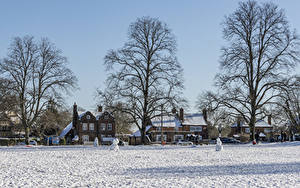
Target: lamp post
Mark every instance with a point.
(161, 125)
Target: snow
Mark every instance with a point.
(98, 115)
(262, 123)
(194, 119)
(82, 114)
(168, 121)
(262, 135)
(114, 146)
(138, 133)
(259, 123)
(219, 146)
(96, 142)
(262, 165)
(66, 130)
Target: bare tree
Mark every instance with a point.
(217, 117)
(288, 104)
(53, 120)
(38, 72)
(261, 51)
(144, 73)
(7, 98)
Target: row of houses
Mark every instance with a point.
(87, 126)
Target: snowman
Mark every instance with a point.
(114, 145)
(96, 143)
(219, 146)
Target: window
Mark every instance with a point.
(88, 117)
(102, 126)
(158, 138)
(84, 127)
(109, 126)
(196, 128)
(85, 138)
(247, 130)
(91, 126)
(178, 137)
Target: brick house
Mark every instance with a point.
(86, 127)
(10, 125)
(262, 128)
(192, 127)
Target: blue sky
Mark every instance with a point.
(85, 30)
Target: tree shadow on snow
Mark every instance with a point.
(241, 169)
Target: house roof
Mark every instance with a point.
(259, 123)
(138, 133)
(66, 130)
(82, 114)
(168, 121)
(173, 121)
(194, 119)
(98, 115)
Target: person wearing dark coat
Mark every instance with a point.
(256, 136)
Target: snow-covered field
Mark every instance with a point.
(264, 165)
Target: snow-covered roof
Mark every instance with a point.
(98, 115)
(168, 121)
(194, 119)
(66, 130)
(259, 123)
(82, 114)
(138, 133)
(262, 123)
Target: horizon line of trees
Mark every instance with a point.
(145, 78)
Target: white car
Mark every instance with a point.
(184, 143)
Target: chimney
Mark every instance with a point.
(270, 119)
(75, 119)
(74, 108)
(204, 112)
(99, 108)
(181, 115)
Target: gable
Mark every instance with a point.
(87, 117)
(105, 116)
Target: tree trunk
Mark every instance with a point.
(26, 134)
(143, 134)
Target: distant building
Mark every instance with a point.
(9, 125)
(263, 129)
(86, 127)
(191, 127)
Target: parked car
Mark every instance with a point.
(184, 143)
(31, 142)
(225, 140)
